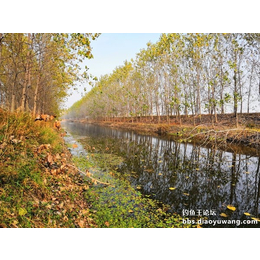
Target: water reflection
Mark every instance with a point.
(182, 175)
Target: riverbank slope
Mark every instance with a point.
(37, 188)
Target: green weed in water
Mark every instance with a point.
(119, 205)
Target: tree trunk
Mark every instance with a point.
(35, 95)
(26, 77)
(12, 108)
(25, 85)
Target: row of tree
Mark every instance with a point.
(37, 69)
(181, 74)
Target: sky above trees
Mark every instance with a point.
(111, 50)
(189, 73)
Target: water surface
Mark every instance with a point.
(192, 180)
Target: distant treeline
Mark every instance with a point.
(181, 74)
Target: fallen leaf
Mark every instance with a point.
(257, 219)
(81, 224)
(22, 211)
(172, 188)
(223, 215)
(3, 145)
(57, 157)
(53, 171)
(16, 141)
(88, 174)
(15, 222)
(231, 207)
(130, 211)
(186, 194)
(85, 211)
(49, 159)
(107, 223)
(74, 146)
(247, 214)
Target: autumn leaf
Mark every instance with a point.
(107, 223)
(53, 171)
(130, 211)
(223, 215)
(61, 205)
(49, 206)
(88, 174)
(231, 207)
(14, 224)
(81, 224)
(49, 159)
(85, 211)
(57, 157)
(74, 146)
(22, 211)
(247, 214)
(257, 219)
(172, 188)
(186, 194)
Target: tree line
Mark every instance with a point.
(181, 74)
(38, 69)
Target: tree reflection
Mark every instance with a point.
(203, 178)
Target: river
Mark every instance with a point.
(192, 180)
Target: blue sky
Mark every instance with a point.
(110, 50)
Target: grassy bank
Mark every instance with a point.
(37, 189)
